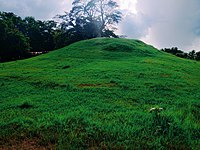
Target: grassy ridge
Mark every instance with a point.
(98, 94)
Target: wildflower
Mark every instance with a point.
(155, 109)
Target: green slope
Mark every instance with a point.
(97, 94)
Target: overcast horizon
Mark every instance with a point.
(160, 23)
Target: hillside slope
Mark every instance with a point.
(99, 94)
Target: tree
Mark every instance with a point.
(40, 33)
(16, 45)
(34, 34)
(198, 55)
(192, 55)
(91, 18)
(48, 32)
(13, 43)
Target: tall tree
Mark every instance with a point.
(34, 34)
(92, 18)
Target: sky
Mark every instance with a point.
(161, 23)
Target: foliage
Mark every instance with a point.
(19, 36)
(40, 33)
(13, 43)
(91, 18)
(87, 19)
(93, 98)
(175, 51)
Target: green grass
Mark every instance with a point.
(97, 94)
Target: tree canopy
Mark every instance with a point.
(20, 36)
(87, 19)
(91, 18)
(13, 43)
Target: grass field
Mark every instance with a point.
(100, 94)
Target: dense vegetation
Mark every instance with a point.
(86, 20)
(91, 18)
(100, 94)
(179, 53)
(20, 36)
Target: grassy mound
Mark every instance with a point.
(100, 94)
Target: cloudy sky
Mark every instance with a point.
(162, 23)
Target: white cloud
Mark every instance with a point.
(128, 5)
(133, 25)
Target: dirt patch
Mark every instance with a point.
(165, 75)
(26, 144)
(149, 61)
(89, 85)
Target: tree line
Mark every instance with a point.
(87, 19)
(179, 53)
(20, 36)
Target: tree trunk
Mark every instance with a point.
(102, 19)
